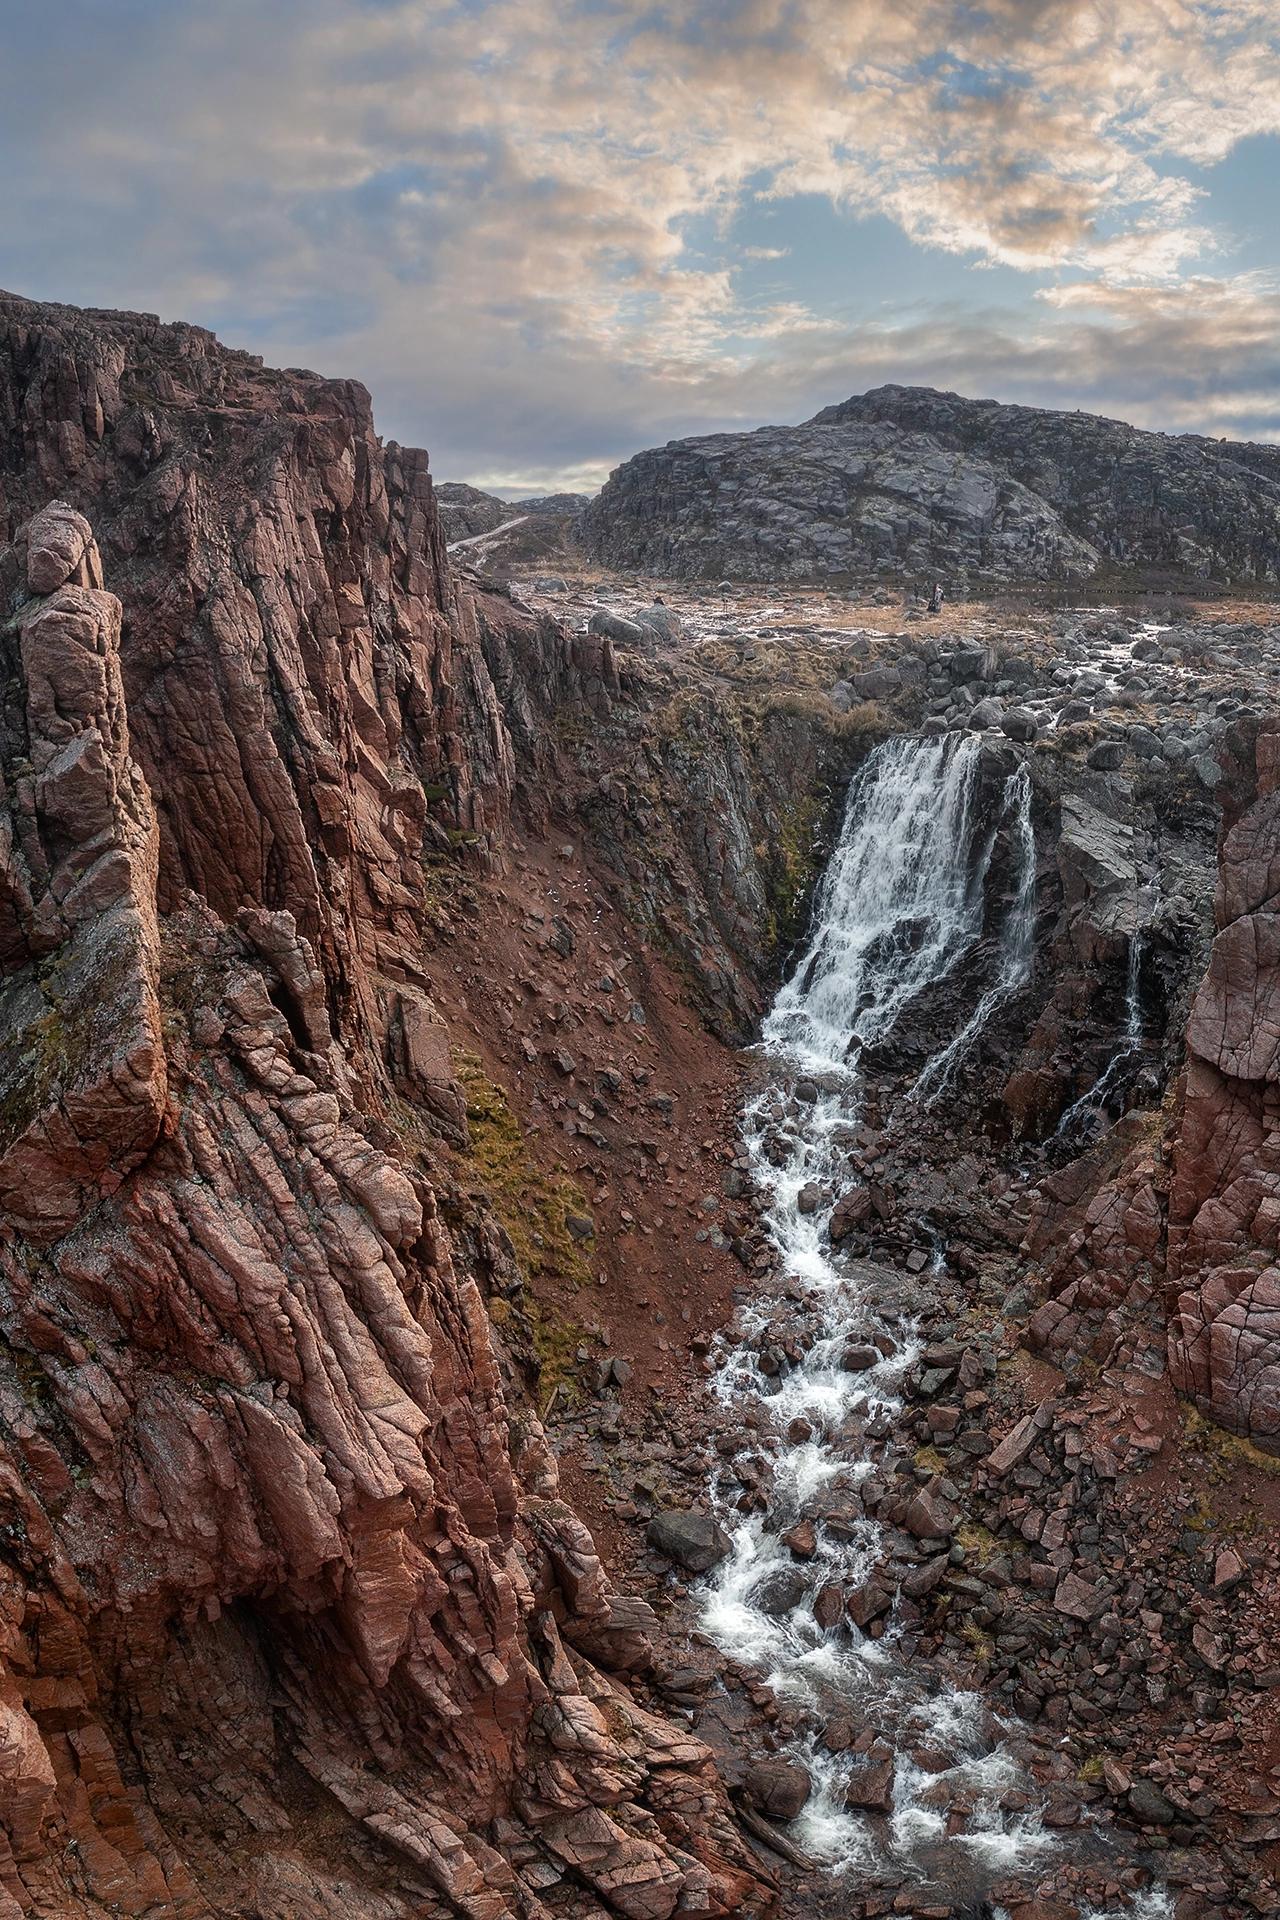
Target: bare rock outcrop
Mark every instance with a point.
(311, 711)
(1183, 1206)
(1099, 879)
(906, 480)
(83, 1084)
(292, 1617)
(819, 502)
(468, 512)
(1224, 1202)
(1102, 913)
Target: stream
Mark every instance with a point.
(909, 1765)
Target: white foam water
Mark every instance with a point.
(901, 902)
(1017, 947)
(899, 906)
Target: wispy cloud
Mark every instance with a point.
(486, 208)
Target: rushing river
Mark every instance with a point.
(901, 903)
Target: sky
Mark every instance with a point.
(548, 233)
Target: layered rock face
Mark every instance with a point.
(1184, 1206)
(293, 1620)
(82, 1068)
(912, 482)
(1224, 1195)
(307, 702)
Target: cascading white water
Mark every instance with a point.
(901, 902)
(1017, 946)
(899, 906)
(1091, 1100)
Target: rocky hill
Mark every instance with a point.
(916, 484)
(467, 511)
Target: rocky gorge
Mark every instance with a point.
(401, 1356)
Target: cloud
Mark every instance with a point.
(487, 209)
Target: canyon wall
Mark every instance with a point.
(1224, 1186)
(294, 1616)
(293, 1619)
(1177, 1207)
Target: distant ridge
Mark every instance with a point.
(910, 481)
(466, 511)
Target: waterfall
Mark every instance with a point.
(1129, 1049)
(899, 906)
(1017, 945)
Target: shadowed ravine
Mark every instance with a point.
(902, 901)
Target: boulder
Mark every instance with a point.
(662, 620)
(1020, 724)
(1099, 880)
(613, 626)
(778, 1788)
(860, 1358)
(929, 1516)
(1149, 1806)
(61, 550)
(877, 683)
(1078, 1599)
(868, 1601)
(870, 1786)
(1146, 743)
(695, 1541)
(849, 1212)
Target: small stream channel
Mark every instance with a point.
(909, 1766)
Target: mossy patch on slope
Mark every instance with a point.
(534, 1209)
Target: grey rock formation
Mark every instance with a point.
(1099, 879)
(694, 1541)
(912, 482)
(466, 511)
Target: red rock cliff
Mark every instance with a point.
(1224, 1200)
(292, 1618)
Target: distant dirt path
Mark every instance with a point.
(479, 539)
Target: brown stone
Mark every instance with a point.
(779, 1788)
(870, 1787)
(1078, 1598)
(283, 1540)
